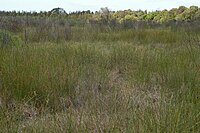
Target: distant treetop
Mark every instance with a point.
(58, 11)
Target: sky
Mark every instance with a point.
(93, 5)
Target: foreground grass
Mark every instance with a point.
(100, 87)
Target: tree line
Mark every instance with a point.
(105, 15)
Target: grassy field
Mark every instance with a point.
(114, 81)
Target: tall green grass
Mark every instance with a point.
(156, 35)
(128, 81)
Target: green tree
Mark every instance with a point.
(197, 15)
(152, 15)
(194, 9)
(181, 9)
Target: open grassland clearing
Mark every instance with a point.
(122, 82)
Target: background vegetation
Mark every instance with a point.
(123, 71)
